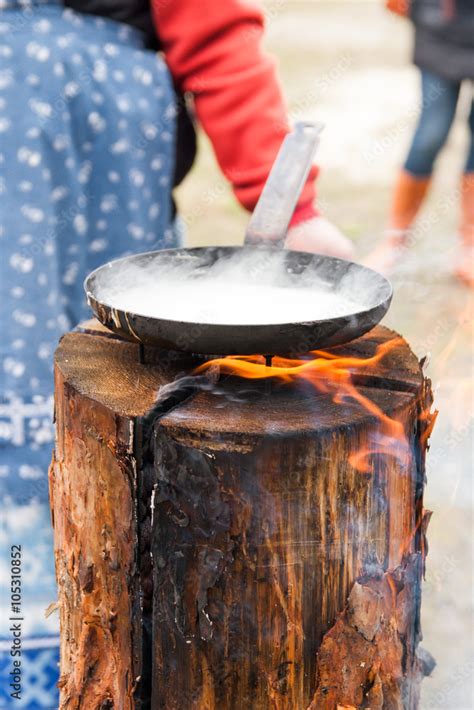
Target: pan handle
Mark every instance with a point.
(274, 210)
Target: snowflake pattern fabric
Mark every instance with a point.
(86, 162)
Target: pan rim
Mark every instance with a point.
(384, 302)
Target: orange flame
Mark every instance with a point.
(330, 374)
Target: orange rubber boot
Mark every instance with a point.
(465, 262)
(408, 196)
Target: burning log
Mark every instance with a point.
(237, 545)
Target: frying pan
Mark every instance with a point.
(368, 292)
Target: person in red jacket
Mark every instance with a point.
(214, 52)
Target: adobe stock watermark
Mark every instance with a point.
(379, 146)
(16, 621)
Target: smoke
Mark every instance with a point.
(237, 286)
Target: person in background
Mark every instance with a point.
(444, 53)
(214, 53)
(94, 135)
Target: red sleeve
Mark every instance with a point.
(213, 49)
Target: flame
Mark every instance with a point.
(330, 374)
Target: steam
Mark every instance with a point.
(242, 287)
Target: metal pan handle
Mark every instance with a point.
(274, 210)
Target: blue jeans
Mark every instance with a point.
(439, 100)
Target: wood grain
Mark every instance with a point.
(257, 525)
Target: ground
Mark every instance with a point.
(347, 64)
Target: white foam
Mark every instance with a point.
(217, 302)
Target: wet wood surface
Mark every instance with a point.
(259, 527)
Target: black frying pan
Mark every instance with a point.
(361, 297)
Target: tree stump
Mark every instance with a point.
(223, 551)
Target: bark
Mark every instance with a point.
(369, 659)
(219, 551)
(94, 490)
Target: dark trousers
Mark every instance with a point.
(439, 101)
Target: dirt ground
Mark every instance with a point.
(347, 63)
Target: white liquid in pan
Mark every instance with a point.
(217, 302)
